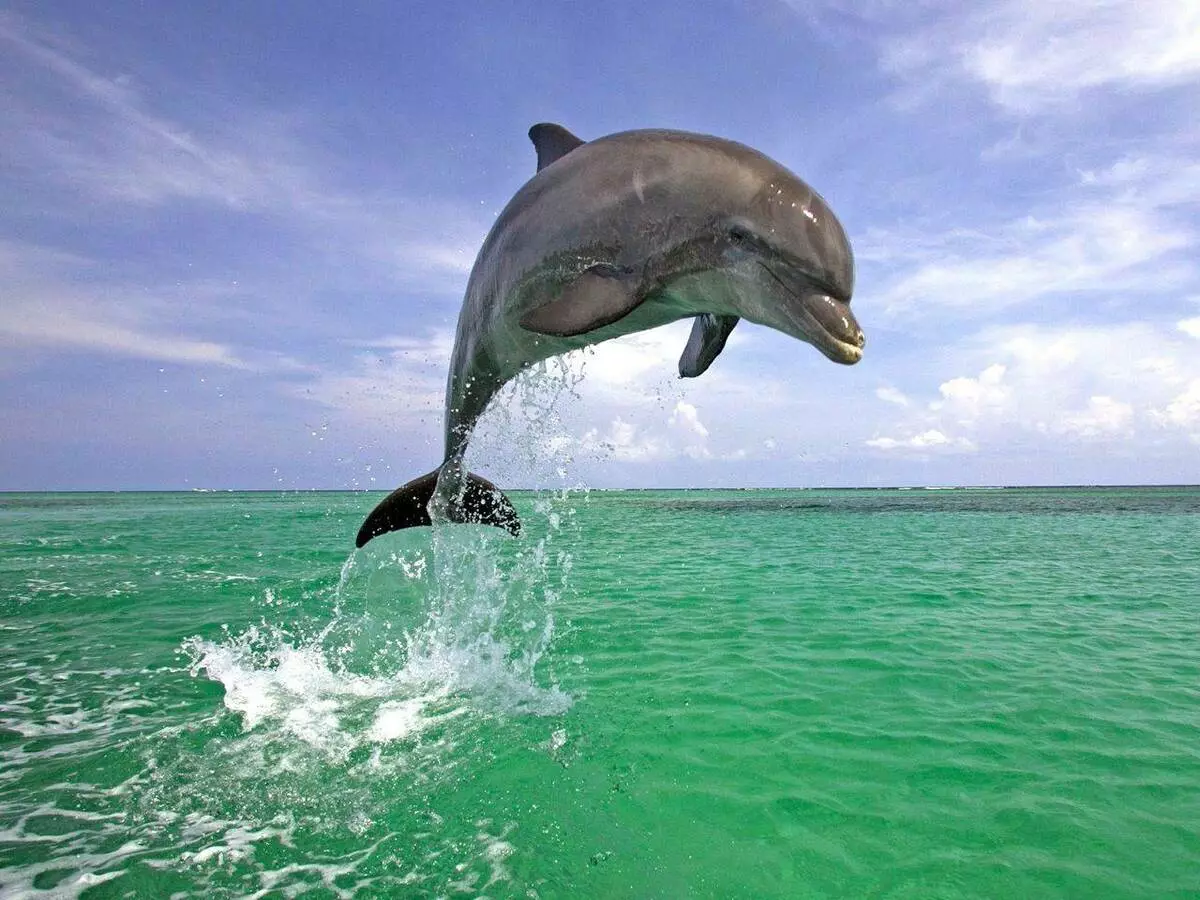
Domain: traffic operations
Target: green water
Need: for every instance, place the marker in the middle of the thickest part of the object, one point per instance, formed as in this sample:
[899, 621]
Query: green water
[901, 694]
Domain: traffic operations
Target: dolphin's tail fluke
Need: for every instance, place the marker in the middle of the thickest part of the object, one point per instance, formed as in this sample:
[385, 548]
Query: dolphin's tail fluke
[481, 502]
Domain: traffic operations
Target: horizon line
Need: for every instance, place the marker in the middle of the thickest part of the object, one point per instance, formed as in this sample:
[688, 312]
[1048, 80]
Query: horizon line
[583, 488]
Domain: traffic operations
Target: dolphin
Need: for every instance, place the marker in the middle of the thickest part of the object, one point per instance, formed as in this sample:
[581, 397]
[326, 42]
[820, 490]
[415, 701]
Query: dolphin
[618, 235]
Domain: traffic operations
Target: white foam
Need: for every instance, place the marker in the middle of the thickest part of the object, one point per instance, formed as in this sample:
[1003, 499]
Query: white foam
[454, 662]
[398, 719]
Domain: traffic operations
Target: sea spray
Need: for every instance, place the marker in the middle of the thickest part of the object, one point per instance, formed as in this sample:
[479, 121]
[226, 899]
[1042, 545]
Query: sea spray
[429, 624]
[469, 642]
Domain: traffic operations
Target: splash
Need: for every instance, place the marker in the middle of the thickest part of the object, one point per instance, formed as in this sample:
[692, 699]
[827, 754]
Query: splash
[486, 620]
[454, 626]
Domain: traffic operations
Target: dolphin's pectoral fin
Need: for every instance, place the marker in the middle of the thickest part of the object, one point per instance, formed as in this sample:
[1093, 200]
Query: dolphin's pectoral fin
[552, 142]
[707, 340]
[482, 503]
[597, 297]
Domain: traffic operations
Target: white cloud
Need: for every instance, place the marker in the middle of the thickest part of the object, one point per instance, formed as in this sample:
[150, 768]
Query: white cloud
[85, 332]
[1183, 411]
[1102, 417]
[1108, 249]
[398, 390]
[620, 401]
[1161, 181]
[688, 419]
[1043, 384]
[923, 442]
[1190, 327]
[689, 431]
[625, 442]
[889, 394]
[1035, 55]
[968, 399]
[42, 306]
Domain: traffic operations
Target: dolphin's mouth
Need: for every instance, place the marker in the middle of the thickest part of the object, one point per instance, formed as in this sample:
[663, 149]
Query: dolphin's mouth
[825, 322]
[832, 328]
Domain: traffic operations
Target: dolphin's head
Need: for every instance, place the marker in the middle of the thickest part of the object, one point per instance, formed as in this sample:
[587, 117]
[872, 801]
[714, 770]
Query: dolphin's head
[794, 266]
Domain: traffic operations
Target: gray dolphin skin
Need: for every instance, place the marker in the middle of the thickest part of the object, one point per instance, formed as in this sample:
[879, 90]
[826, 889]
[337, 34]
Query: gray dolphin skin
[618, 235]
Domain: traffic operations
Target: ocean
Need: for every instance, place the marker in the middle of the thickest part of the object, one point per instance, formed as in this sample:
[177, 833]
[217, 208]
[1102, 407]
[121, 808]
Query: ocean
[794, 694]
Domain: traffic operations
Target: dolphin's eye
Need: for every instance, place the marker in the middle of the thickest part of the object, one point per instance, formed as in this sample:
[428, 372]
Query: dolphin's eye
[739, 236]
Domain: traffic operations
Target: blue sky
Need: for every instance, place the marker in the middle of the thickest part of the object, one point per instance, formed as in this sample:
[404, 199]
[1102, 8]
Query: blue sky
[234, 245]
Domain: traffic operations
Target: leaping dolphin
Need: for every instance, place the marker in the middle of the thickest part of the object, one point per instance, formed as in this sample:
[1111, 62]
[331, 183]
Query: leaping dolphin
[617, 235]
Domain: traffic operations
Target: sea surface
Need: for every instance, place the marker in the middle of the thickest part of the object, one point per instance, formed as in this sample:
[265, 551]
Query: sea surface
[793, 694]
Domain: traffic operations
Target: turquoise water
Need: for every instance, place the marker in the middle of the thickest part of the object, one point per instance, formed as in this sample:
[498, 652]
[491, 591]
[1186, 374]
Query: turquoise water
[901, 694]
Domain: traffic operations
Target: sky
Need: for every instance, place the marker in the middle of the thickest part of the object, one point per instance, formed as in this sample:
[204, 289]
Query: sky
[234, 240]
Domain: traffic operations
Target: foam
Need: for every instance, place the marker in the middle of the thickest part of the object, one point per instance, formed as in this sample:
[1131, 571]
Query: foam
[487, 622]
[296, 690]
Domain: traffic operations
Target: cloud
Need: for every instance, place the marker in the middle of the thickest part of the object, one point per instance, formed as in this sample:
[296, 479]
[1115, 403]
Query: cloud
[100, 135]
[105, 140]
[70, 330]
[968, 399]
[1159, 181]
[923, 443]
[1182, 412]
[1035, 56]
[1124, 386]
[688, 420]
[1116, 232]
[620, 401]
[889, 394]
[1102, 417]
[1107, 249]
[1190, 327]
[44, 307]
[625, 442]
[401, 382]
[690, 433]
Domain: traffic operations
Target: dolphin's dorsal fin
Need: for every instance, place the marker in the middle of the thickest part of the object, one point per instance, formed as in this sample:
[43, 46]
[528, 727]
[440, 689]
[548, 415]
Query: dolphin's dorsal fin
[552, 142]
[707, 340]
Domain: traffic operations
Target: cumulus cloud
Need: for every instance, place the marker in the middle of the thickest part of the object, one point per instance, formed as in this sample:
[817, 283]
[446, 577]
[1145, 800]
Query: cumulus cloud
[690, 431]
[625, 442]
[968, 399]
[1098, 384]
[684, 435]
[1182, 412]
[1103, 416]
[688, 420]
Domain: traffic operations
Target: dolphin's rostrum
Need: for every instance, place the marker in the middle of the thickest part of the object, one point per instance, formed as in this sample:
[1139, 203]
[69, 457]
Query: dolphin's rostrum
[618, 235]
